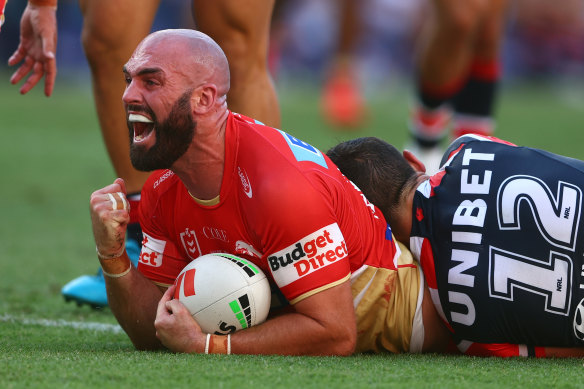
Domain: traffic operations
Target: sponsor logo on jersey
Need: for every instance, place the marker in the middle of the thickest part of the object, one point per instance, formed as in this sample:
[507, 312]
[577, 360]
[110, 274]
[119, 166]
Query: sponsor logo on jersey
[152, 251]
[579, 320]
[215, 233]
[162, 178]
[304, 151]
[311, 253]
[243, 248]
[245, 182]
[190, 243]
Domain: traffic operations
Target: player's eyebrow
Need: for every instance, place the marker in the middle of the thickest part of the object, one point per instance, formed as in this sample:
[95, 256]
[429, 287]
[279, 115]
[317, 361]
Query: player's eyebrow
[145, 71]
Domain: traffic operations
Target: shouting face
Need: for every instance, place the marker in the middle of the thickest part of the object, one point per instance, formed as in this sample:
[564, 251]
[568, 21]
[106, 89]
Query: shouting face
[158, 144]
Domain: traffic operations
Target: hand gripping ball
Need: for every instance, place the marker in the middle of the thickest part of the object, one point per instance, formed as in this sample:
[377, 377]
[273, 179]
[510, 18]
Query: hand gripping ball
[224, 293]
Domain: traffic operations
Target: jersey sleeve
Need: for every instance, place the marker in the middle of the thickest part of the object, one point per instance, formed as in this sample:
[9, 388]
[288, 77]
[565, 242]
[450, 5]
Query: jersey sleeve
[464, 139]
[160, 260]
[305, 247]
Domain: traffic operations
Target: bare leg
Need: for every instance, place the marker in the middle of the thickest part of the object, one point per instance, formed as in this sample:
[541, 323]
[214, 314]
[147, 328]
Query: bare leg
[111, 31]
[446, 46]
[243, 31]
[458, 49]
[474, 104]
[342, 101]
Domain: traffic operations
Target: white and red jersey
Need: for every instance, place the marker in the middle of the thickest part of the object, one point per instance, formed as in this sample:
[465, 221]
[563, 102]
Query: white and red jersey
[283, 205]
[498, 234]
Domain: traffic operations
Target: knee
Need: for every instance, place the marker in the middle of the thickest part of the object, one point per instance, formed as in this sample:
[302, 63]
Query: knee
[488, 39]
[247, 54]
[462, 22]
[103, 47]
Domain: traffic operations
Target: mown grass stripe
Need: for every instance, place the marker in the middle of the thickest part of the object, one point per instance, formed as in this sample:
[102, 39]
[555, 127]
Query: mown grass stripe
[63, 323]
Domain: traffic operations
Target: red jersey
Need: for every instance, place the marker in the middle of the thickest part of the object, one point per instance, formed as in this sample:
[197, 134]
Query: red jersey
[283, 205]
[2, 5]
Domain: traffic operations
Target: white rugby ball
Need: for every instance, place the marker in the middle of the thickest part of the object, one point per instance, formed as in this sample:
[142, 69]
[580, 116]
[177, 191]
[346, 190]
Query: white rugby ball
[224, 293]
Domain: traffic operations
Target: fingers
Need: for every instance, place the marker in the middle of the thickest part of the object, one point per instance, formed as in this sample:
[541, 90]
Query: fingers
[110, 215]
[161, 310]
[170, 291]
[50, 69]
[122, 184]
[34, 78]
[22, 71]
[38, 69]
[50, 76]
[17, 56]
[118, 201]
[176, 307]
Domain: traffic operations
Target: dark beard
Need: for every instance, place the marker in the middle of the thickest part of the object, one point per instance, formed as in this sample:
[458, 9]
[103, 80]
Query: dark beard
[173, 137]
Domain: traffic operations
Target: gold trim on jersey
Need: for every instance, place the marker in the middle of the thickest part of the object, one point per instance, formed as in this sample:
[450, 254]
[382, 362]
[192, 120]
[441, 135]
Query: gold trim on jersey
[162, 284]
[386, 302]
[324, 287]
[206, 203]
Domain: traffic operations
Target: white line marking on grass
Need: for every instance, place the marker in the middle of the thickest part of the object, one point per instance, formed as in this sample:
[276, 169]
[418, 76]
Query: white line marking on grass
[63, 323]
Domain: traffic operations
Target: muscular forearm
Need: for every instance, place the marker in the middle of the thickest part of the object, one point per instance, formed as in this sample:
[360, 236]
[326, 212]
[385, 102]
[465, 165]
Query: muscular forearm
[322, 324]
[296, 334]
[133, 300]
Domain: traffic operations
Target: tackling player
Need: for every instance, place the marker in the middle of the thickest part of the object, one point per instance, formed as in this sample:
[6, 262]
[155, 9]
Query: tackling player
[233, 185]
[497, 232]
[111, 31]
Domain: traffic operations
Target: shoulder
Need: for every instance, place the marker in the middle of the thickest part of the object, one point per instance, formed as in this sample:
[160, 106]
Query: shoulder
[160, 180]
[157, 184]
[465, 140]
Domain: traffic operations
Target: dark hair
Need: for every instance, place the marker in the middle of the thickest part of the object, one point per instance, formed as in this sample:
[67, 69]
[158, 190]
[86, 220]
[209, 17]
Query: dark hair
[377, 168]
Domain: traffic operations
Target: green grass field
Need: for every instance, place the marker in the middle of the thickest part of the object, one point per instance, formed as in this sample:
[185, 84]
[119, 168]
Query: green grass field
[52, 158]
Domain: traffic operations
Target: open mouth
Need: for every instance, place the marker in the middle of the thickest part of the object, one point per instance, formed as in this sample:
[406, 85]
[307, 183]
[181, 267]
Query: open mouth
[142, 125]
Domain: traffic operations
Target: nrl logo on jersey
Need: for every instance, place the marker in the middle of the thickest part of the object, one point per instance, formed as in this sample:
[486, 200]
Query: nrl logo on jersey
[190, 243]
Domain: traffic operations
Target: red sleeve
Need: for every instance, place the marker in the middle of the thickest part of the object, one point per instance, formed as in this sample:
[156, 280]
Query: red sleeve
[303, 244]
[160, 260]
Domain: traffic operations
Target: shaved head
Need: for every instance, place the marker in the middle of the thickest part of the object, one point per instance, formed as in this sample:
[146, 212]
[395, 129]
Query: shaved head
[188, 52]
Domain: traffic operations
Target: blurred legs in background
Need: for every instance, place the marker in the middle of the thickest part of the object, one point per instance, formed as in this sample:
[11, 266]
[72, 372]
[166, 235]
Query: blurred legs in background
[342, 101]
[458, 69]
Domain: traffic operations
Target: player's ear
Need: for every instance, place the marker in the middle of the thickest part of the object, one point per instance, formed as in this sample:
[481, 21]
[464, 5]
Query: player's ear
[204, 98]
[414, 162]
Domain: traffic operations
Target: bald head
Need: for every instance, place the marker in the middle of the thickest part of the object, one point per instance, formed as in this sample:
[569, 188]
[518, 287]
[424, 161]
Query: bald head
[194, 55]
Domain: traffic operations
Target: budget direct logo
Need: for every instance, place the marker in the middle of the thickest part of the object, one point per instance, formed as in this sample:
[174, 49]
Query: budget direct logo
[311, 253]
[152, 251]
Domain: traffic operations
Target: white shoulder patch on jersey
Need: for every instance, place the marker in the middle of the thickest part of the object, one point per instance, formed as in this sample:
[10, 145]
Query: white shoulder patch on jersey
[309, 254]
[152, 252]
[425, 188]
